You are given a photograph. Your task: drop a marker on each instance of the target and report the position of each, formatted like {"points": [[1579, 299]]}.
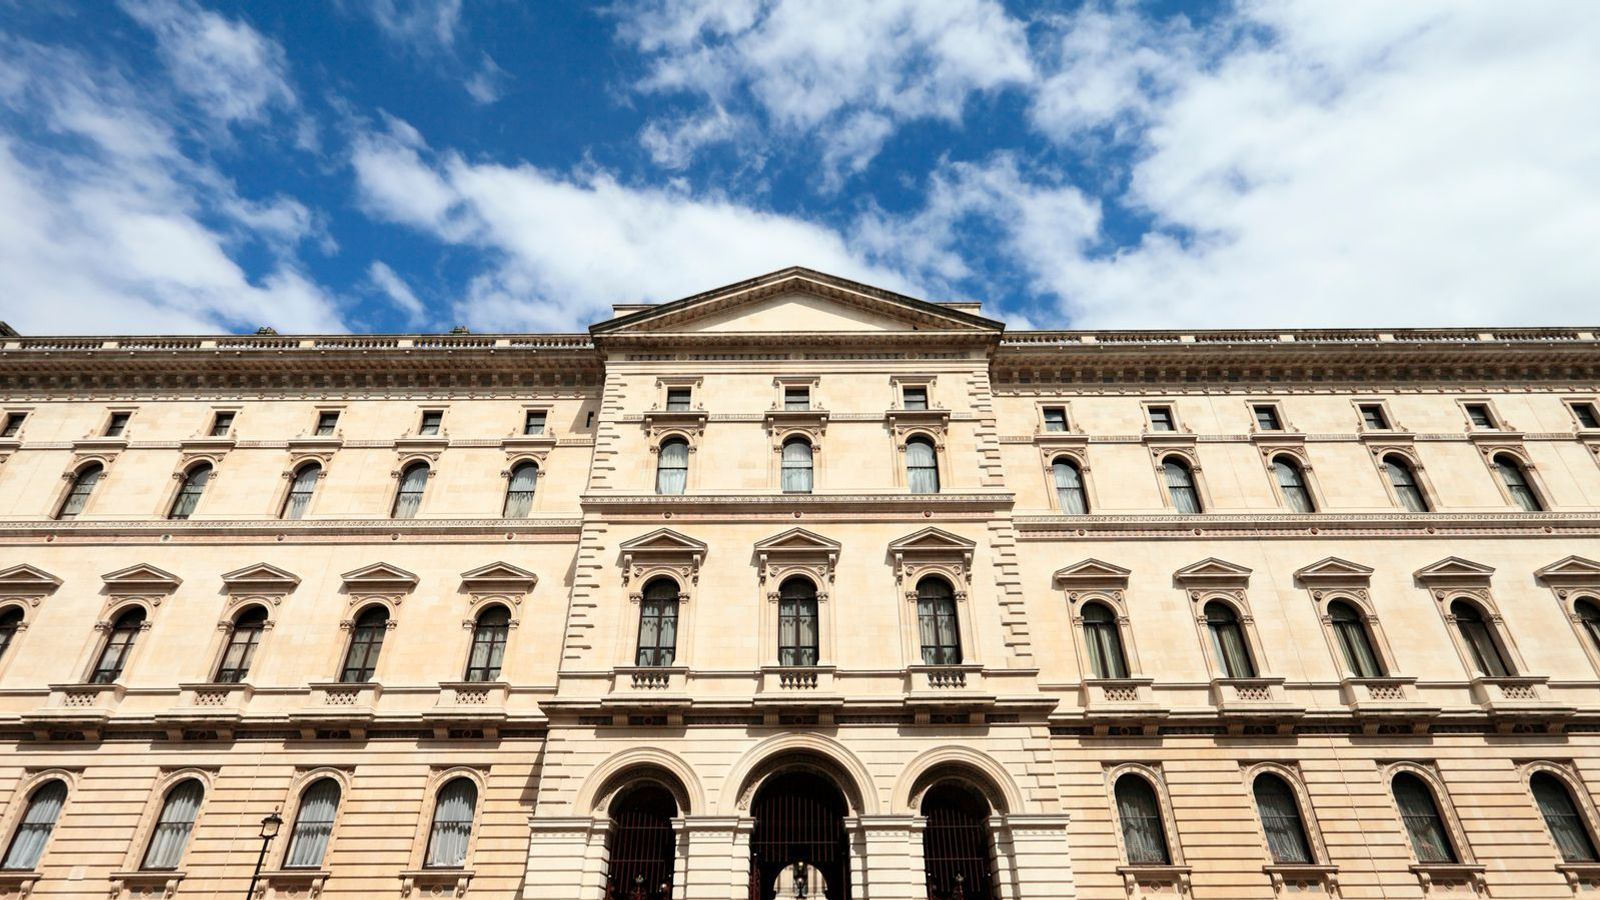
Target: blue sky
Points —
{"points": [[393, 165]]}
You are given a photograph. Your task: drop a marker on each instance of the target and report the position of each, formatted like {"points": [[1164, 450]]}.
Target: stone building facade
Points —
{"points": [[801, 571]]}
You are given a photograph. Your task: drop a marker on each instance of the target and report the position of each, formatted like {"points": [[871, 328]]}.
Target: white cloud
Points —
{"points": [[488, 83], [809, 65], [562, 248], [230, 69], [423, 25], [112, 228], [395, 288]]}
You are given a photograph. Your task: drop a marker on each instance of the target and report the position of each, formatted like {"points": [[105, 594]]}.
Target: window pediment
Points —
{"points": [[1334, 572], [141, 579], [1572, 570], [1092, 573], [379, 578], [662, 551], [929, 551], [261, 577], [27, 581], [1454, 571], [499, 577], [1213, 573], [797, 550]]}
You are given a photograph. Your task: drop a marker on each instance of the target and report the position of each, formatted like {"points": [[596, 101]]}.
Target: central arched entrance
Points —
{"points": [[799, 847], [641, 844]]}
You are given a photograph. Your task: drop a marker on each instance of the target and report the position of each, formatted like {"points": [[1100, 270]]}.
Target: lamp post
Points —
{"points": [[269, 830]]}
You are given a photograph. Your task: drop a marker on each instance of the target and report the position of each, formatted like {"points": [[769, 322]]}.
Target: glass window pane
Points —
{"points": [[1144, 835], [171, 833], [1280, 818], [452, 825], [1430, 841], [33, 831], [1561, 815], [313, 824]]}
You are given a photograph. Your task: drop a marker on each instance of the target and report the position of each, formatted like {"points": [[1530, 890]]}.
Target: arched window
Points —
{"points": [[408, 498], [242, 642], [797, 466], [1104, 640], [171, 834], [797, 622], [922, 466], [1561, 816], [313, 824], [658, 623], [82, 486], [519, 491], [10, 623], [194, 485], [1404, 480], [33, 832], [452, 825], [366, 640], [1588, 616], [936, 622], [119, 646], [1515, 478], [956, 843], [301, 488], [1430, 840], [1228, 642], [1070, 496], [1479, 637], [672, 466], [1280, 818], [1180, 486], [1354, 640], [1292, 482], [640, 844], [1144, 835], [488, 644]]}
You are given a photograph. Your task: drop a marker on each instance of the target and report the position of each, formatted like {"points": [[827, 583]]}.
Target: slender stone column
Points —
{"points": [[1032, 861], [566, 859], [716, 861]]}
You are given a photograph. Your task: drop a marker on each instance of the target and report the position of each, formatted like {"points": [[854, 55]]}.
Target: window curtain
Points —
{"points": [[1354, 641], [797, 623], [27, 845], [672, 468], [1143, 833], [797, 467], [361, 660], [1227, 639], [1180, 487], [1429, 839], [119, 646], [78, 495], [1561, 815], [313, 825], [1104, 641], [519, 493], [489, 645], [1516, 481], [936, 623], [922, 467], [658, 624], [10, 621], [452, 825], [301, 490], [1280, 818], [409, 498], [1480, 640], [242, 643], [1293, 484], [1069, 488], [194, 484], [172, 829], [1405, 485], [1589, 613]]}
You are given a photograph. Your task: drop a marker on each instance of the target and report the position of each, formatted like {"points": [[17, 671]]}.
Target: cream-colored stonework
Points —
{"points": [[563, 738]]}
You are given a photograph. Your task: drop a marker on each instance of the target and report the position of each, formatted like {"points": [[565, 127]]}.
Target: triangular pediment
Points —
{"points": [[141, 577], [1454, 569], [1212, 571], [1571, 569], [1334, 569], [499, 576], [26, 579], [1092, 572], [379, 574], [796, 300], [663, 540], [932, 539], [261, 575], [797, 540]]}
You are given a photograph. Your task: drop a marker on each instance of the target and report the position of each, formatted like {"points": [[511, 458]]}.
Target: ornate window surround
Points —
{"points": [[1285, 427], [1569, 580], [21, 881], [1051, 448], [1499, 424], [69, 475], [1454, 578], [1275, 444], [1496, 445], [1290, 878], [1065, 406], [379, 584], [1366, 433], [934, 551], [260, 585], [661, 553], [1175, 875], [139, 585], [1578, 875], [1180, 428], [800, 553], [1161, 448], [1570, 403], [23, 587], [453, 882], [1333, 579], [310, 881], [1379, 449], [187, 463], [298, 460], [1095, 581], [496, 584], [1467, 871], [131, 876], [1215, 579]]}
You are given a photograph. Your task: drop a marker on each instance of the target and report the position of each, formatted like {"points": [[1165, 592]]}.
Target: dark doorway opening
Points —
{"points": [[955, 844], [642, 845], [799, 822]]}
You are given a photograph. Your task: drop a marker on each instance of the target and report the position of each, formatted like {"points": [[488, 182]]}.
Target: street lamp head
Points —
{"points": [[270, 825]]}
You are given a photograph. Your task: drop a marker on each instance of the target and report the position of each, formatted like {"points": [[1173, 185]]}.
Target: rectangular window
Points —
{"points": [[588, 419], [431, 420], [1585, 413], [678, 398], [914, 396], [1267, 417], [1373, 417], [1479, 414], [1161, 419], [1055, 418], [796, 398], [117, 424], [221, 424], [327, 421], [13, 424], [533, 423]]}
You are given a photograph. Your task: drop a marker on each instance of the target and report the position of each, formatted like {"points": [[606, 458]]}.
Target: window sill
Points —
{"points": [[1299, 878], [1139, 879], [294, 883], [433, 882], [1461, 877], [145, 883], [1581, 876], [18, 882]]}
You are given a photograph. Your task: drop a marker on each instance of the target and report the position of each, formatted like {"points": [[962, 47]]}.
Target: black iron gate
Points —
{"points": [[799, 819], [641, 845], [955, 845]]}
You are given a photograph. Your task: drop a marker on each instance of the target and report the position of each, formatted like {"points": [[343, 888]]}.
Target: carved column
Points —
{"points": [[566, 859]]}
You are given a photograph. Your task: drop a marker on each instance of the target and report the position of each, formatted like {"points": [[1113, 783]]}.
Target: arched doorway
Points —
{"points": [[641, 844], [799, 845], [956, 843]]}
